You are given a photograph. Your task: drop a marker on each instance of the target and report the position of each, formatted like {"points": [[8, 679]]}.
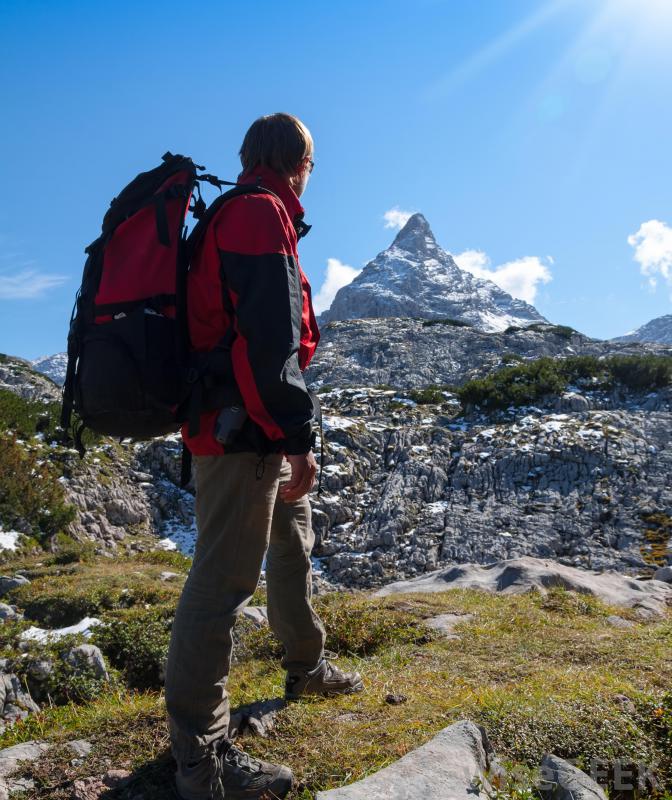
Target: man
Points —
{"points": [[247, 289]]}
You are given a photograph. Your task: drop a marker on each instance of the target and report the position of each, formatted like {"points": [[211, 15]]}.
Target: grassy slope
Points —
{"points": [[540, 674]]}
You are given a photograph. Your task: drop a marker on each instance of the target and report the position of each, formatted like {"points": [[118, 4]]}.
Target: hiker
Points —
{"points": [[254, 468]]}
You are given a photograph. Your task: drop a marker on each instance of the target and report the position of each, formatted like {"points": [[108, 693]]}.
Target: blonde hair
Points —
{"points": [[279, 141]]}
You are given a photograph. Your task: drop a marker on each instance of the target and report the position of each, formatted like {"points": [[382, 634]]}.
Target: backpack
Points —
{"points": [[131, 370]]}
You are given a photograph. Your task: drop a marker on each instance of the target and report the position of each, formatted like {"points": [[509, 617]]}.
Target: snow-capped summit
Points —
{"points": [[415, 277], [53, 367], [656, 330]]}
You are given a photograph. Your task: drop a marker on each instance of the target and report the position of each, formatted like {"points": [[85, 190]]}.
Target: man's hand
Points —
{"points": [[304, 469]]}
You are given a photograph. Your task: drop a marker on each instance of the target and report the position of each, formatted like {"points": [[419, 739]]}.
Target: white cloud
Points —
{"points": [[653, 250], [520, 278], [396, 217], [338, 275], [27, 284]]}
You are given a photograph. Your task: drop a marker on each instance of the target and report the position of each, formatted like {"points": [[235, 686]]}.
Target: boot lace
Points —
{"points": [[223, 753]]}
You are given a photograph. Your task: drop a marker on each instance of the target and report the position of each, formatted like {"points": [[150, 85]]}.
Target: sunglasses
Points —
{"points": [[311, 165]]}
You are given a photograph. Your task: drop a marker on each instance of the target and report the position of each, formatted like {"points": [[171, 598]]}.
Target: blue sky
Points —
{"points": [[533, 135]]}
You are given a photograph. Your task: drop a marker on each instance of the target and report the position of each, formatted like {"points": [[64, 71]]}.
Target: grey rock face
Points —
{"points": [[656, 330], [17, 376], [563, 781], [446, 768], [410, 353], [522, 574], [407, 487], [15, 702], [416, 278], [87, 657]]}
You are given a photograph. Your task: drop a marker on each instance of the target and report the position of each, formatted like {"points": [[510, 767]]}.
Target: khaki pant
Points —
{"points": [[239, 517]]}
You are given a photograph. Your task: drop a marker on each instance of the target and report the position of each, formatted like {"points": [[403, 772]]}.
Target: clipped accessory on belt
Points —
{"points": [[229, 422]]}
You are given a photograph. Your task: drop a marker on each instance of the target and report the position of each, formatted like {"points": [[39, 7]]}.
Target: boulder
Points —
{"points": [[7, 612], [15, 702], [8, 583], [257, 615], [446, 768], [89, 658], [560, 780], [445, 623], [663, 574], [518, 575]]}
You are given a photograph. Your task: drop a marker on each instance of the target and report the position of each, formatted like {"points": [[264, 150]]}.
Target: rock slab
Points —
{"points": [[563, 781], [448, 767], [518, 575]]}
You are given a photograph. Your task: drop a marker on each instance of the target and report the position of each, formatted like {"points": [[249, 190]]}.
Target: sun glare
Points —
{"points": [[649, 19]]}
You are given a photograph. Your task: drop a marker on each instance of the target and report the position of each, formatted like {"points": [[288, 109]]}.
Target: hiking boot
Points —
{"points": [[325, 679], [227, 772]]}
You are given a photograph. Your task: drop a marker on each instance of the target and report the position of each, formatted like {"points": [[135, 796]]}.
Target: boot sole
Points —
{"points": [[278, 793]]}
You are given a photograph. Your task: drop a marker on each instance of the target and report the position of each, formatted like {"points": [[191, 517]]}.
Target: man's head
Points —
{"points": [[283, 143]]}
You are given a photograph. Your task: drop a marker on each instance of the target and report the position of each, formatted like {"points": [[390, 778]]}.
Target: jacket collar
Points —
{"points": [[270, 179]]}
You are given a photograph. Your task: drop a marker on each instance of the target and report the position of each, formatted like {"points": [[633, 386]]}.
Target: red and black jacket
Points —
{"points": [[246, 286]]}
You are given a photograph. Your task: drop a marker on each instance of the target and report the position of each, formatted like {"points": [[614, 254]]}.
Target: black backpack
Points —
{"points": [[131, 370]]}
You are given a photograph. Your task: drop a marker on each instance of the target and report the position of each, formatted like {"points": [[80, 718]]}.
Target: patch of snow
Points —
{"points": [[9, 539], [334, 423], [166, 544], [35, 634]]}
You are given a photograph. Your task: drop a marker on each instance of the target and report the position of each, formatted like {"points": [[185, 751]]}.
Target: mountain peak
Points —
{"points": [[415, 235]]}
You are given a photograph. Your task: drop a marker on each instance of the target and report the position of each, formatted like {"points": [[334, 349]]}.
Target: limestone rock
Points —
{"points": [[445, 623], [663, 574], [9, 762], [563, 781], [8, 583], [87, 657], [7, 612], [15, 702], [445, 768], [519, 575], [258, 615]]}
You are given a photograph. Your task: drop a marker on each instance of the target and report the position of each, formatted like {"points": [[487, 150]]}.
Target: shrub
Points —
{"points": [[456, 323], [137, 644], [641, 372], [30, 495], [65, 602], [168, 558], [27, 417], [64, 683], [354, 624], [526, 383], [429, 395]]}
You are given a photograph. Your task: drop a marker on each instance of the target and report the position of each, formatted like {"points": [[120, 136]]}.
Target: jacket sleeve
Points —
{"points": [[261, 277]]}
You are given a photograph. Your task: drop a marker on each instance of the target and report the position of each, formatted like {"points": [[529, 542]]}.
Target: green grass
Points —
{"points": [[540, 672]]}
